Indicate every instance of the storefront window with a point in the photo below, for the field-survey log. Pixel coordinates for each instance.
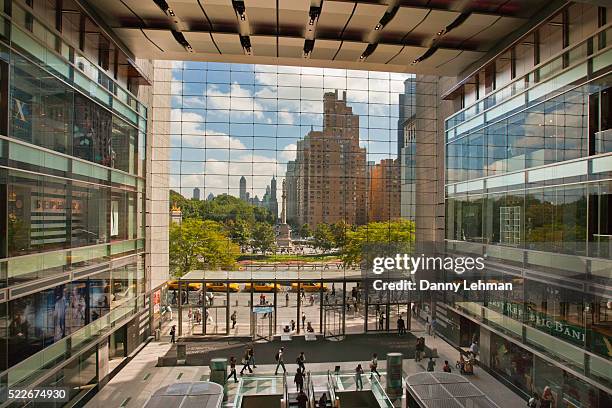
(123, 146)
(512, 362)
(41, 319)
(123, 221)
(89, 227)
(92, 132)
(555, 310)
(99, 295)
(41, 107)
(555, 219)
(37, 214)
(124, 283)
(599, 313)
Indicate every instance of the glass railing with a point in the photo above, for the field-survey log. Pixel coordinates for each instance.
(460, 122)
(261, 384)
(40, 363)
(47, 161)
(21, 269)
(554, 347)
(584, 166)
(380, 394)
(332, 387)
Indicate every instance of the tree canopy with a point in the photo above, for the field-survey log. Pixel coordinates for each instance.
(263, 237)
(323, 238)
(197, 244)
(378, 239)
(222, 208)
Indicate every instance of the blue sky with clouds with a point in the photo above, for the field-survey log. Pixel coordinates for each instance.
(233, 120)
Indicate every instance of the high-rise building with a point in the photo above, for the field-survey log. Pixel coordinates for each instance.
(291, 191)
(273, 201)
(330, 168)
(196, 194)
(243, 189)
(384, 191)
(406, 145)
(407, 110)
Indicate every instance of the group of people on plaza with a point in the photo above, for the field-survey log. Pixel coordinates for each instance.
(248, 363)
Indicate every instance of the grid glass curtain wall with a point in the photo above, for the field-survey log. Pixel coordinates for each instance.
(230, 121)
(280, 166)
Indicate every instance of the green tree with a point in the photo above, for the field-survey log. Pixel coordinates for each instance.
(378, 239)
(239, 232)
(197, 244)
(323, 238)
(305, 231)
(263, 237)
(223, 208)
(339, 231)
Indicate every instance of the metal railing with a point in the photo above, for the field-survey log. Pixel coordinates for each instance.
(332, 386)
(310, 390)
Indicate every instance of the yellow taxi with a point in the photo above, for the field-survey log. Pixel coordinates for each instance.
(309, 286)
(262, 287)
(173, 285)
(222, 287)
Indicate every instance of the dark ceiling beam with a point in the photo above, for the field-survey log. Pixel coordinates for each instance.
(456, 6)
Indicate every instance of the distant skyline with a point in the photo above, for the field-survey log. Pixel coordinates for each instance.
(234, 120)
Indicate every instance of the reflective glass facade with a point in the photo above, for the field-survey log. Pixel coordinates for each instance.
(528, 178)
(72, 197)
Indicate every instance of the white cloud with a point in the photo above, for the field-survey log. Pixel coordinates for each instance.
(289, 152)
(195, 135)
(238, 100)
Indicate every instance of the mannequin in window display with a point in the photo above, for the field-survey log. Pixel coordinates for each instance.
(76, 310)
(59, 314)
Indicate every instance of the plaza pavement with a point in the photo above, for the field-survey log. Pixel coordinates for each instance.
(133, 385)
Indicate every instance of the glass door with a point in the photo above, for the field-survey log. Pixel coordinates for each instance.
(214, 318)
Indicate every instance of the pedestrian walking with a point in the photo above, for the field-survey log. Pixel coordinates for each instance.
(419, 349)
(287, 299)
(358, 380)
(474, 350)
(333, 291)
(279, 360)
(431, 364)
(401, 326)
(298, 379)
(246, 362)
(300, 360)
(381, 321)
(252, 357)
(173, 334)
(303, 319)
(233, 317)
(232, 373)
(374, 366)
(292, 325)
